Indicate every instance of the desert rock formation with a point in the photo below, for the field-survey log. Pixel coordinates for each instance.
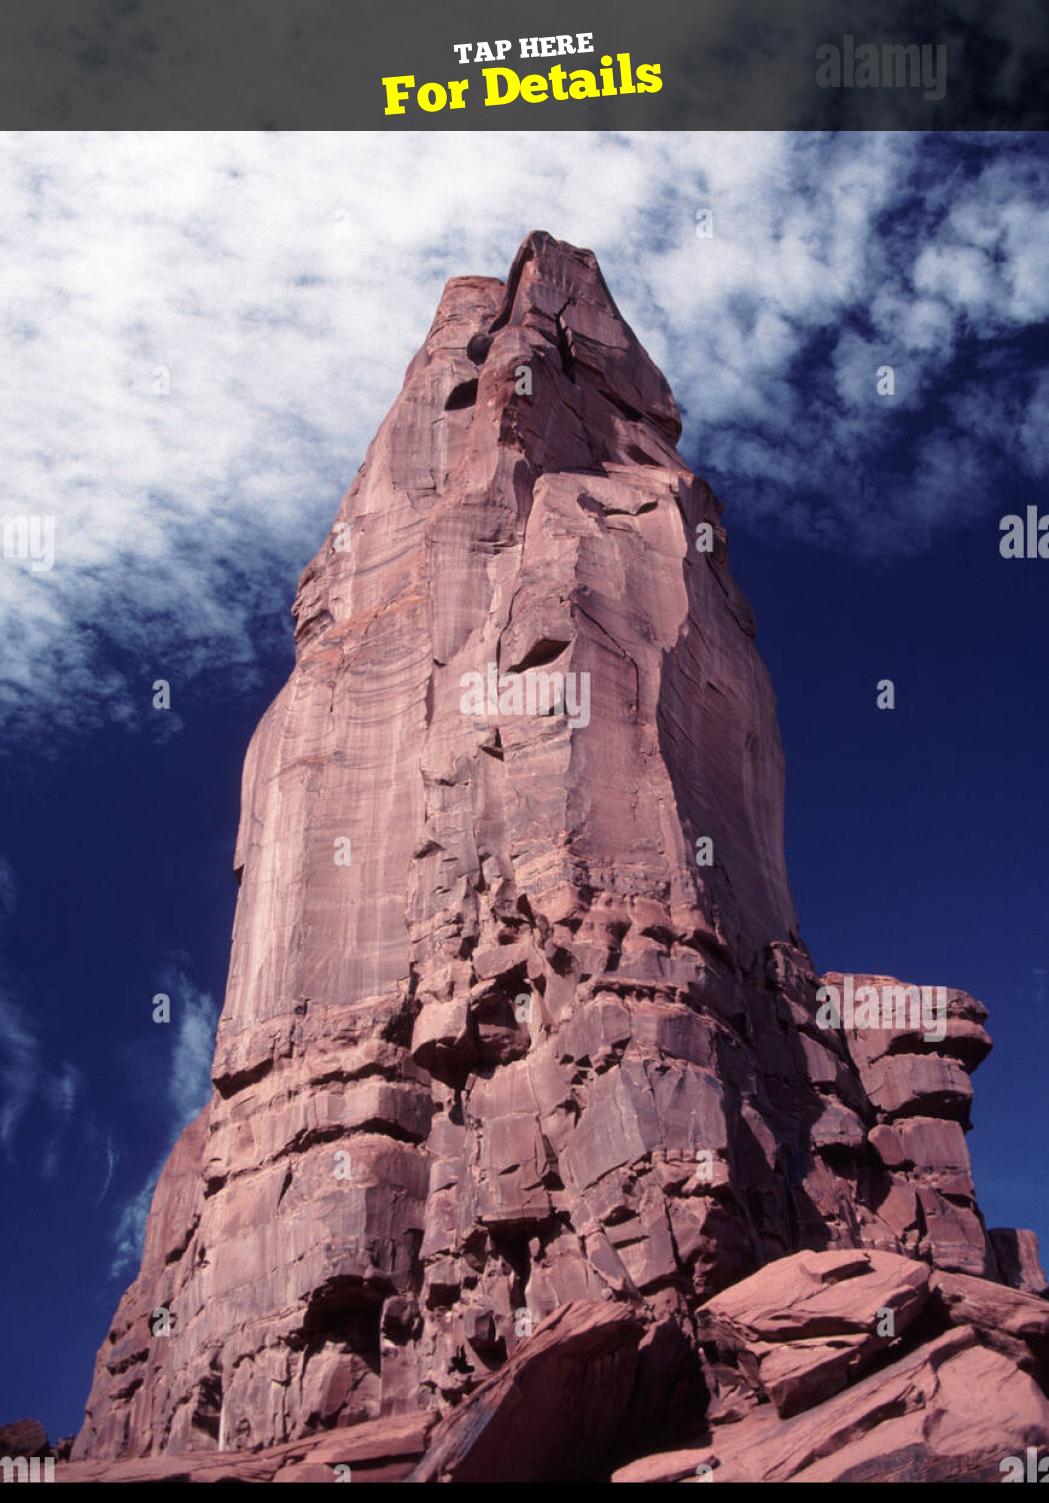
(521, 1067)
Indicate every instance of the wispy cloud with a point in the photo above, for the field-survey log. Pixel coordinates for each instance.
(194, 1019)
(27, 1076)
(19, 1068)
(111, 1163)
(129, 1235)
(26, 1070)
(62, 1091)
(8, 889)
(201, 332)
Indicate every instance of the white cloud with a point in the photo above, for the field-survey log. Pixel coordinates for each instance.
(194, 1019)
(19, 1068)
(25, 1076)
(62, 1091)
(111, 1163)
(130, 1232)
(25, 1073)
(281, 283)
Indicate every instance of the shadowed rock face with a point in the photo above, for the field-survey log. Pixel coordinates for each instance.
(496, 1042)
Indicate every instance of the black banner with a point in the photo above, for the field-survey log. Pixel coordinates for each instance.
(522, 65)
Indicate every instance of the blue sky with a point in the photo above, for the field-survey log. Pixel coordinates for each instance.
(201, 335)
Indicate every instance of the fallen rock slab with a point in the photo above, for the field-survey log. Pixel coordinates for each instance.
(951, 1411)
(804, 1326)
(552, 1413)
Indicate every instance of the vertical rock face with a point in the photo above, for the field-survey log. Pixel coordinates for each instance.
(518, 1015)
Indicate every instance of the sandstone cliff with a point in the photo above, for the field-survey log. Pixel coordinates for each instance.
(521, 1067)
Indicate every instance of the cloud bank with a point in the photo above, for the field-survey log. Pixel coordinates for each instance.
(201, 333)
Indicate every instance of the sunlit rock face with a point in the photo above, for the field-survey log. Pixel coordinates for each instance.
(518, 1015)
